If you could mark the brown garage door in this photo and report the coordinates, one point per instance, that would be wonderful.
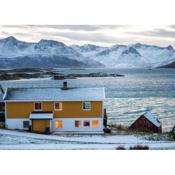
(40, 125)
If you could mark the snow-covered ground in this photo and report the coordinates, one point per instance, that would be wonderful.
(24, 140)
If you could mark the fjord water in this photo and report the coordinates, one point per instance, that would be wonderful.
(139, 91)
(128, 97)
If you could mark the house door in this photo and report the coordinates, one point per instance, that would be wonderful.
(40, 126)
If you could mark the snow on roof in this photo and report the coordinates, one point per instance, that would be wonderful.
(152, 119)
(55, 94)
(41, 116)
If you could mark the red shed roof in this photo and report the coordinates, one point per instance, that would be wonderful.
(152, 119)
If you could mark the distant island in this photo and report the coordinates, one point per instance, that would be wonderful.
(28, 73)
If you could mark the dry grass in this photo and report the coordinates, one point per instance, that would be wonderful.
(139, 147)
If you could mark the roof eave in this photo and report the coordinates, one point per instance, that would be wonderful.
(51, 100)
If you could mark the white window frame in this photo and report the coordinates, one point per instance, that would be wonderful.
(41, 106)
(61, 104)
(87, 109)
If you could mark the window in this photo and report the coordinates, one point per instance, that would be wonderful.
(25, 124)
(95, 123)
(58, 106)
(86, 105)
(77, 124)
(38, 106)
(58, 124)
(86, 124)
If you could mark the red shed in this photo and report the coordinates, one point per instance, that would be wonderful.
(147, 123)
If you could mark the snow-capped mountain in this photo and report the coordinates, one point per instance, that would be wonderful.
(49, 53)
(136, 55)
(156, 55)
(45, 53)
(88, 49)
(171, 65)
(12, 47)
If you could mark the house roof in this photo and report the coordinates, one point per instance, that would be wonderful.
(54, 94)
(152, 119)
(35, 116)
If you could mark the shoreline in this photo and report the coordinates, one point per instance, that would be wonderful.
(24, 74)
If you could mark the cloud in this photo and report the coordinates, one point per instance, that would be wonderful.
(77, 33)
(88, 28)
(4, 33)
(95, 34)
(156, 33)
(172, 26)
(92, 37)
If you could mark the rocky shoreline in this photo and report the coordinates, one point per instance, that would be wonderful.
(17, 74)
(73, 76)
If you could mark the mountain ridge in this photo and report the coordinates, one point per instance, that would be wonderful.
(50, 53)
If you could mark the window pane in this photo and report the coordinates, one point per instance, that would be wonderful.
(58, 105)
(86, 123)
(25, 124)
(38, 106)
(58, 124)
(95, 123)
(77, 124)
(86, 105)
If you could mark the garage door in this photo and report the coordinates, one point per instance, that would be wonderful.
(40, 125)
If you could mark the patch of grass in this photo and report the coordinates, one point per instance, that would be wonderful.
(171, 136)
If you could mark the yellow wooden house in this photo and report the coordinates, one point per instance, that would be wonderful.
(55, 109)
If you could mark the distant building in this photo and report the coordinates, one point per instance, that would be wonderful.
(63, 109)
(147, 123)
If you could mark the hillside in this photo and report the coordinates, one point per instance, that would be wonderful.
(171, 65)
(54, 54)
(43, 54)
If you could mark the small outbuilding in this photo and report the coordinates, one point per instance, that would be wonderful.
(147, 123)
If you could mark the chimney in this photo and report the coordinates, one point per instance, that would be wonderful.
(1, 89)
(65, 85)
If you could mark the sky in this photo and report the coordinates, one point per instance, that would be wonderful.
(104, 35)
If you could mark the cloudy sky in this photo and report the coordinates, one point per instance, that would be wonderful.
(105, 35)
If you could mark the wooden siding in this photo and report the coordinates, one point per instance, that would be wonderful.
(19, 109)
(69, 110)
(144, 125)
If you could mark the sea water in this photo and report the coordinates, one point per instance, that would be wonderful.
(127, 97)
